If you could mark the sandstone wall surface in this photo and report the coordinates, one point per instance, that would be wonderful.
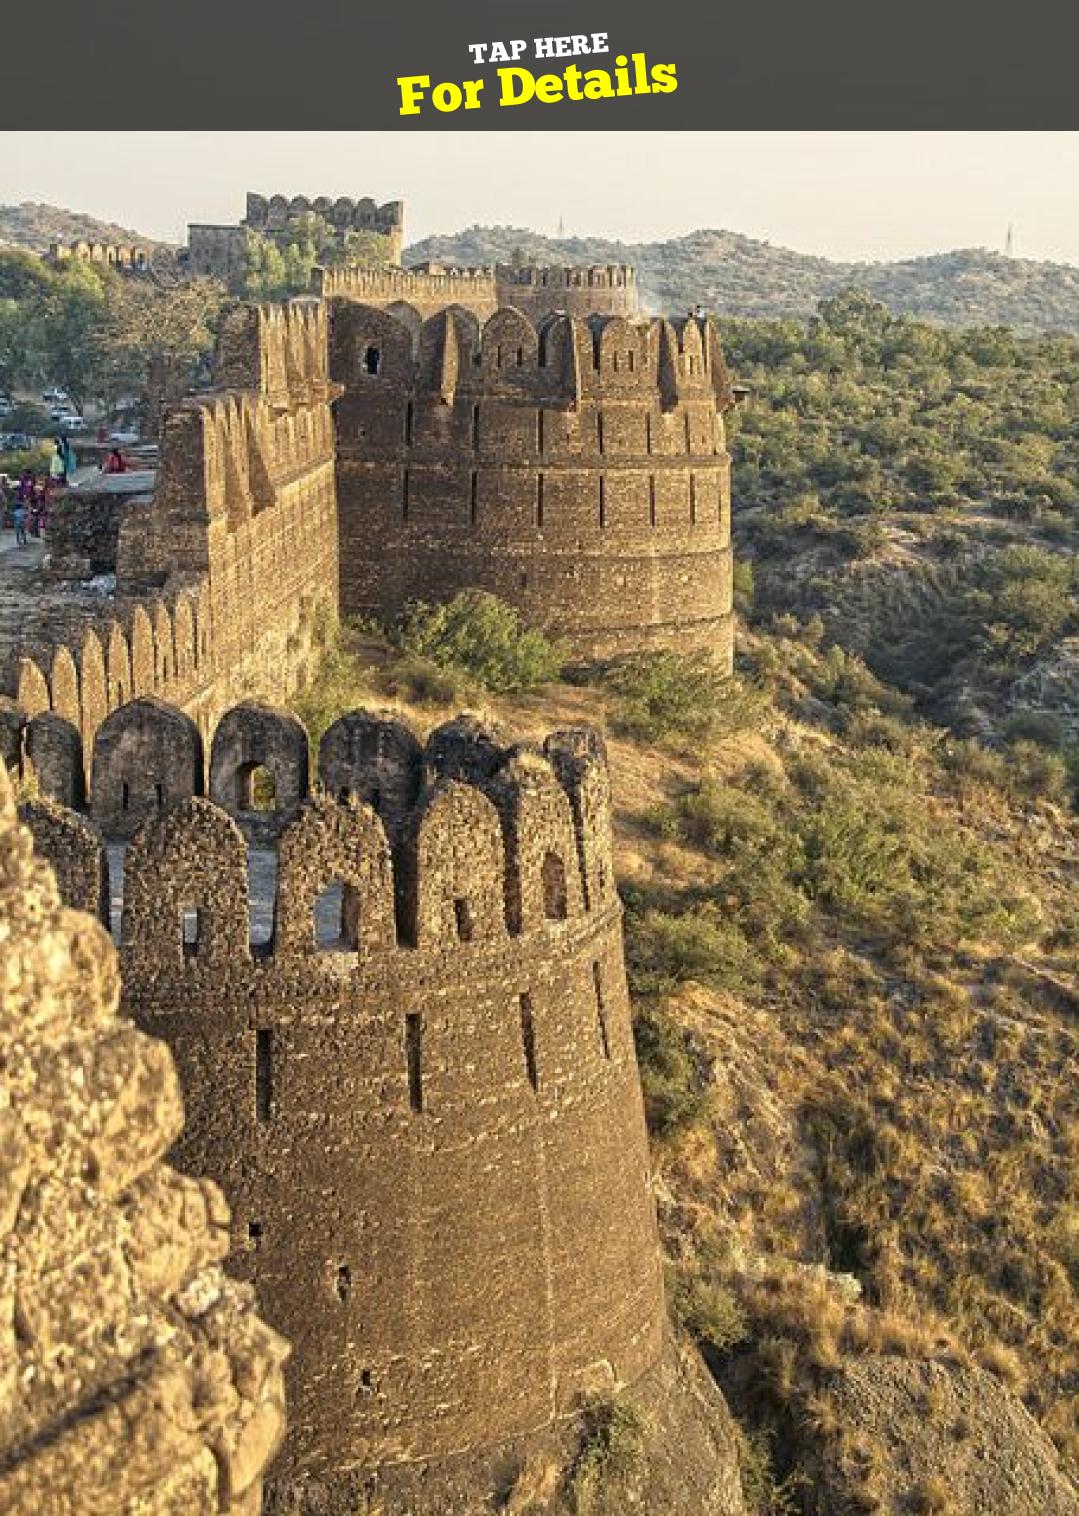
(135, 1378)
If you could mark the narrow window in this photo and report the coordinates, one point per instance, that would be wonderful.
(539, 431)
(599, 430)
(159, 796)
(462, 914)
(601, 1010)
(372, 360)
(264, 1073)
(617, 362)
(254, 1234)
(343, 1283)
(528, 1041)
(520, 357)
(473, 499)
(367, 1383)
(648, 431)
(602, 500)
(689, 434)
(404, 494)
(190, 925)
(414, 1054)
(522, 581)
(692, 499)
(652, 500)
(539, 502)
(498, 357)
(410, 418)
(125, 795)
(631, 359)
(256, 788)
(555, 905)
(337, 919)
(475, 428)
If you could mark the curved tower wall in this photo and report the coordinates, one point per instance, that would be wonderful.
(427, 1118)
(601, 290)
(578, 470)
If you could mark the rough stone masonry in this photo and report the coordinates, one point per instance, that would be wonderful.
(135, 1378)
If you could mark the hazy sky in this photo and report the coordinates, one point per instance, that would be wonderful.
(847, 195)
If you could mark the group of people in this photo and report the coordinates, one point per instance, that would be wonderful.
(26, 504)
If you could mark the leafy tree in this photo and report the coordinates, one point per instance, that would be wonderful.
(65, 330)
(279, 264)
(22, 274)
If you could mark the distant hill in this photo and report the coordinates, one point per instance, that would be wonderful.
(739, 276)
(34, 227)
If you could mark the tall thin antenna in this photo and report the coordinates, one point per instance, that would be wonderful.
(1009, 242)
(561, 226)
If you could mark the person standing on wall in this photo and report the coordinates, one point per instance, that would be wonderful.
(20, 521)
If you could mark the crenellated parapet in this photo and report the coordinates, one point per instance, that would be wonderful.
(159, 646)
(398, 1004)
(220, 250)
(220, 575)
(576, 468)
(273, 213)
(608, 289)
(423, 290)
(124, 257)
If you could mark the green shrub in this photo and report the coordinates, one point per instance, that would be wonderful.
(743, 585)
(612, 1449)
(339, 685)
(701, 943)
(1040, 727)
(708, 1310)
(676, 1089)
(479, 635)
(1034, 773)
(425, 682)
(666, 695)
(765, 1493)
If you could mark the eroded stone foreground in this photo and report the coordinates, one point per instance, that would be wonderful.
(135, 1378)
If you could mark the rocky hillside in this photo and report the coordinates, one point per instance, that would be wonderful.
(739, 276)
(34, 226)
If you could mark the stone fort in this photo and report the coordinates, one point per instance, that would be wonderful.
(399, 436)
(396, 996)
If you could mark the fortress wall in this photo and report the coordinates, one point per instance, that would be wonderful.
(601, 290)
(219, 251)
(423, 1106)
(425, 293)
(224, 578)
(579, 471)
(124, 257)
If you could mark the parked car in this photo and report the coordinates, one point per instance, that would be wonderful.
(70, 421)
(56, 397)
(7, 405)
(123, 438)
(16, 442)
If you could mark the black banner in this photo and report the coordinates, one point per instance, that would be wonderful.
(741, 64)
